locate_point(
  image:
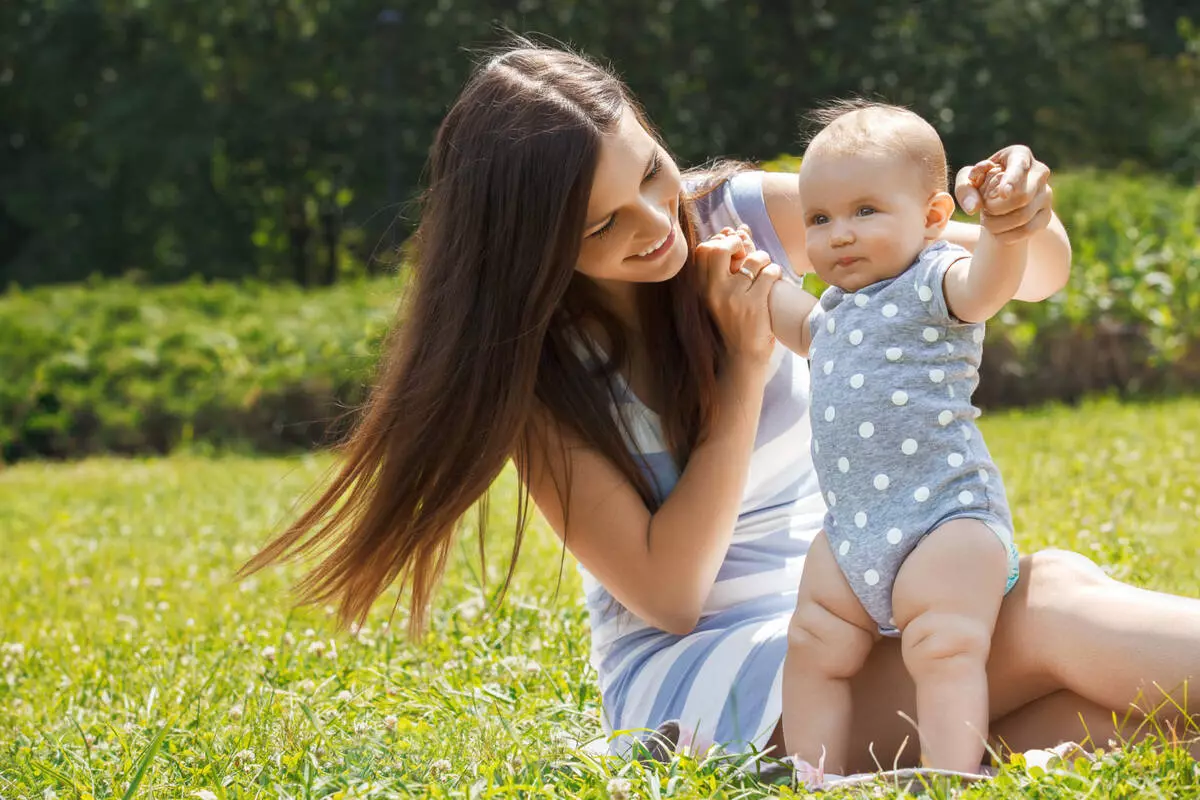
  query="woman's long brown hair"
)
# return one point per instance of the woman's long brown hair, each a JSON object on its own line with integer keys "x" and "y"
{"x": 489, "y": 332}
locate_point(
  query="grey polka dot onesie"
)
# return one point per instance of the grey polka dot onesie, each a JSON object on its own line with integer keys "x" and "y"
{"x": 895, "y": 444}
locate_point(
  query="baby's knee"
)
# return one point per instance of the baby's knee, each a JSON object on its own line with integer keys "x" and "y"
{"x": 935, "y": 642}
{"x": 819, "y": 639}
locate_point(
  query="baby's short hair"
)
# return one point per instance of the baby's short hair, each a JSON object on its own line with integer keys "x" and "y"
{"x": 857, "y": 126}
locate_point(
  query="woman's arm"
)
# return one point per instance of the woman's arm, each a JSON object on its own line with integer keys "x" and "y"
{"x": 660, "y": 566}
{"x": 1049, "y": 263}
{"x": 1018, "y": 206}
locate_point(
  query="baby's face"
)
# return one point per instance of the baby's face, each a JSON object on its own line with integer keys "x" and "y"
{"x": 865, "y": 217}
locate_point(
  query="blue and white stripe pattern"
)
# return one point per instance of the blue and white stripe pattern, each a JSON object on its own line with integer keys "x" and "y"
{"x": 722, "y": 680}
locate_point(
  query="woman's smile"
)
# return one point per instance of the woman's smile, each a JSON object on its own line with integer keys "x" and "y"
{"x": 658, "y": 249}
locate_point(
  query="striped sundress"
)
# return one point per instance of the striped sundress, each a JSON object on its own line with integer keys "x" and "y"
{"x": 722, "y": 681}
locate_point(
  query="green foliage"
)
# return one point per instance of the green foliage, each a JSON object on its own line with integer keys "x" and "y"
{"x": 123, "y": 630}
{"x": 283, "y": 140}
{"x": 117, "y": 367}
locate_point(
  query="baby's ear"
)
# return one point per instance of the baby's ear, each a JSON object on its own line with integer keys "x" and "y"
{"x": 941, "y": 208}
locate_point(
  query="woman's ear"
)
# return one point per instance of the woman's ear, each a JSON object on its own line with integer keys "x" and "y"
{"x": 941, "y": 208}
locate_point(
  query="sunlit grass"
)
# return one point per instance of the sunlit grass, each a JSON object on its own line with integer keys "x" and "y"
{"x": 126, "y": 644}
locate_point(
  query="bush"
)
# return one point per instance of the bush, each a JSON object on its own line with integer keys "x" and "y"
{"x": 119, "y": 367}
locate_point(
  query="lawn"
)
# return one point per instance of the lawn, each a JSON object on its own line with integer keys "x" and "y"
{"x": 131, "y": 664}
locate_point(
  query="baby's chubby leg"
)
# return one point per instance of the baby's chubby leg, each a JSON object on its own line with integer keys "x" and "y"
{"x": 945, "y": 601}
{"x": 829, "y": 637}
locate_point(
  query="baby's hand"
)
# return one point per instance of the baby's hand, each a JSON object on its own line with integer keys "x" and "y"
{"x": 1011, "y": 189}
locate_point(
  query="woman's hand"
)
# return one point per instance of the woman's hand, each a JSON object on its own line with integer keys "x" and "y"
{"x": 1012, "y": 189}
{"x": 737, "y": 284}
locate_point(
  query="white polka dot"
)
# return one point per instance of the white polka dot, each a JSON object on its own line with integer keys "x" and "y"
{"x": 921, "y": 494}
{"x": 866, "y": 430}
{"x": 894, "y": 536}
{"x": 937, "y": 375}
{"x": 983, "y": 476}
{"x": 860, "y": 519}
{"x": 909, "y": 447}
{"x": 856, "y": 381}
{"x": 861, "y": 300}
{"x": 890, "y": 310}
{"x": 830, "y": 413}
{"x": 925, "y": 293}
{"x": 977, "y": 335}
{"x": 971, "y": 370}
{"x": 966, "y": 433}
{"x": 882, "y": 482}
{"x": 827, "y": 367}
{"x": 830, "y": 325}
{"x": 855, "y": 337}
{"x": 951, "y": 391}
{"x": 899, "y": 397}
{"x": 844, "y": 464}
{"x": 832, "y": 498}
{"x": 893, "y": 353}
{"x": 966, "y": 498}
{"x": 944, "y": 418}
{"x": 871, "y": 577}
{"x": 930, "y": 334}
{"x": 949, "y": 347}
{"x": 955, "y": 459}
{"x": 844, "y": 547}
{"x": 816, "y": 445}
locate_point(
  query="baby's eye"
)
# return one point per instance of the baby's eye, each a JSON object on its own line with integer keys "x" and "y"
{"x": 866, "y": 211}
{"x": 818, "y": 219}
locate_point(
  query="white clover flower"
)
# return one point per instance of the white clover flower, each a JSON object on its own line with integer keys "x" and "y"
{"x": 244, "y": 759}
{"x": 316, "y": 648}
{"x": 439, "y": 766}
{"x": 288, "y": 638}
{"x": 619, "y": 788}
{"x": 235, "y": 713}
{"x": 390, "y": 722}
{"x": 268, "y": 653}
{"x": 361, "y": 727}
{"x": 308, "y": 686}
{"x": 204, "y": 794}
{"x": 344, "y": 696}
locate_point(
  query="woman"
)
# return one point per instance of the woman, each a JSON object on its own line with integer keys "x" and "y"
{"x": 564, "y": 315}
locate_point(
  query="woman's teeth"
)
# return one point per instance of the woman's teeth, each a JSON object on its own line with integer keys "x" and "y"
{"x": 655, "y": 246}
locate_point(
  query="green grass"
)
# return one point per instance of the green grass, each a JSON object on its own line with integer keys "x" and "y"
{"x": 130, "y": 663}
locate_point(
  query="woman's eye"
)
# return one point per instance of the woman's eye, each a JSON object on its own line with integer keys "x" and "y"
{"x": 654, "y": 170}
{"x": 600, "y": 232}
{"x": 866, "y": 211}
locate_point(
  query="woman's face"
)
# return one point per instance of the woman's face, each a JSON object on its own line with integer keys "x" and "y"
{"x": 632, "y": 233}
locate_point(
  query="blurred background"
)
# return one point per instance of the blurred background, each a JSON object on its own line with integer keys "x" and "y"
{"x": 202, "y": 205}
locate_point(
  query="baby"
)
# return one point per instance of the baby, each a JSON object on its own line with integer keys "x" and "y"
{"x": 918, "y": 538}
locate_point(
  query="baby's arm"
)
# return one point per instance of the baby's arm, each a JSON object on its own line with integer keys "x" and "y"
{"x": 790, "y": 307}
{"x": 979, "y": 286}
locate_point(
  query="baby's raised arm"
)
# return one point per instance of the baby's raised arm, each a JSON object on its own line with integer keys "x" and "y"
{"x": 977, "y": 287}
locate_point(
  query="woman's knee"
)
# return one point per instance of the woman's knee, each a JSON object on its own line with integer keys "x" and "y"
{"x": 1052, "y": 576}
{"x": 821, "y": 640}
